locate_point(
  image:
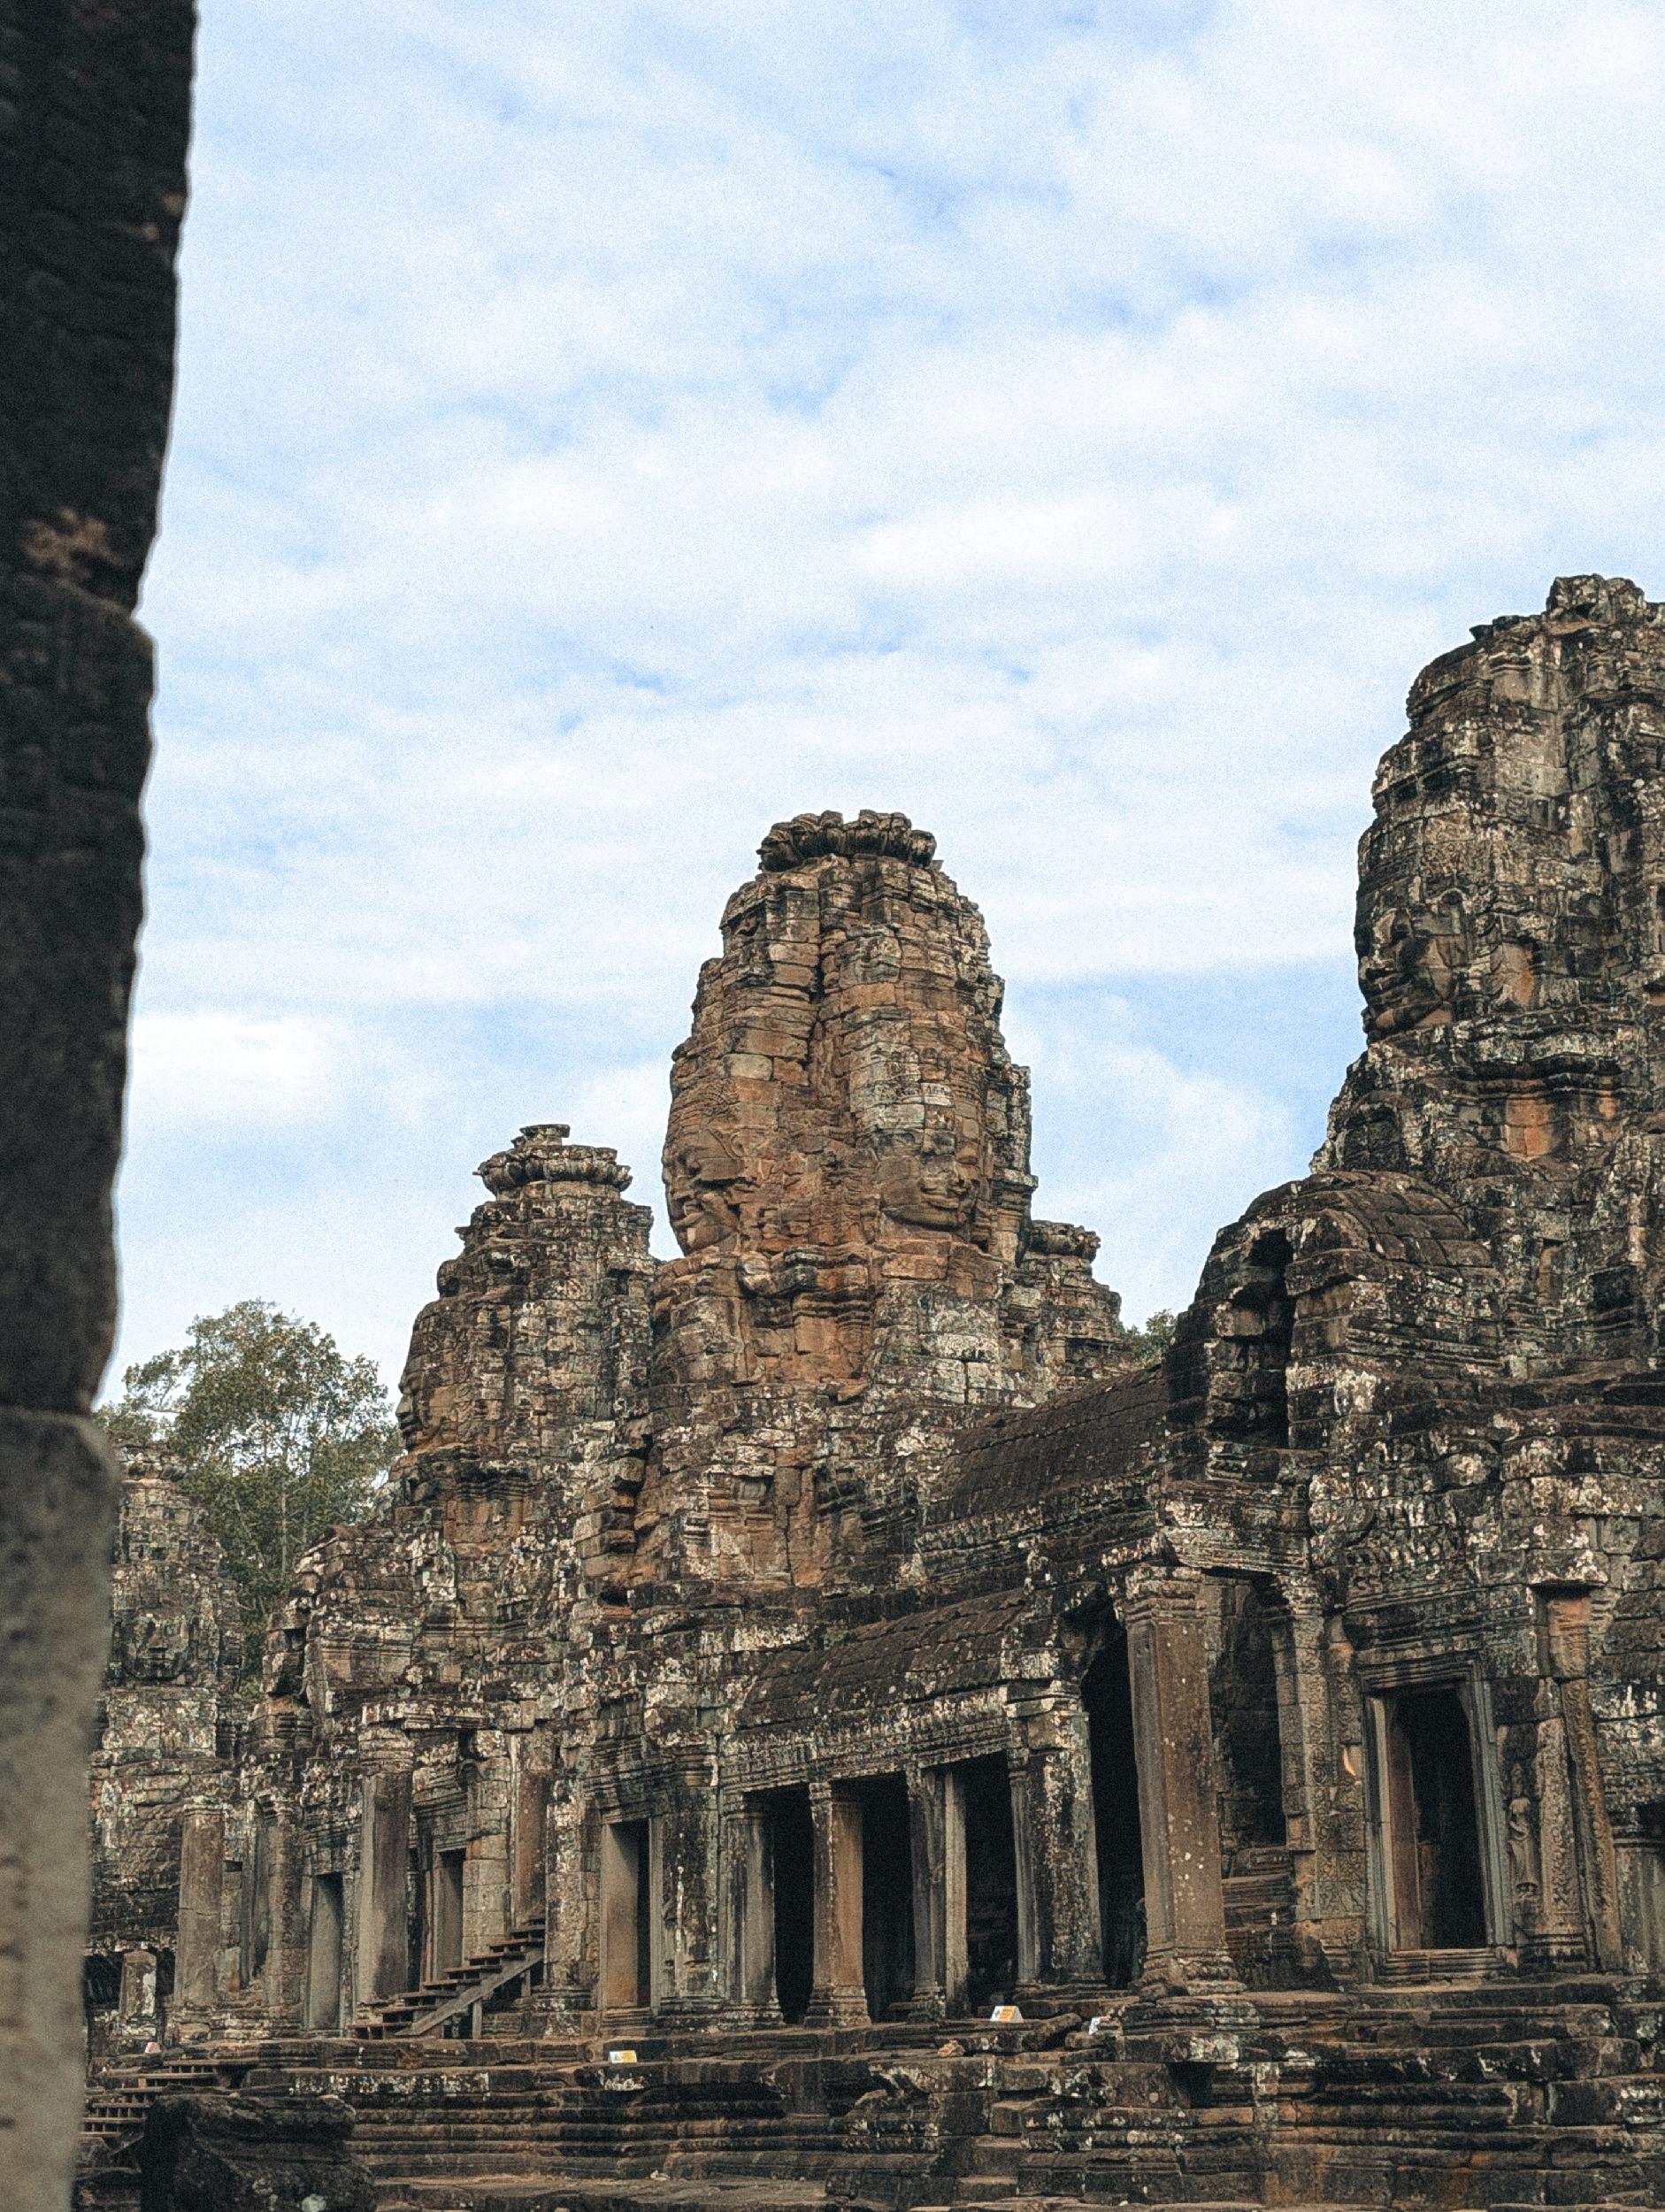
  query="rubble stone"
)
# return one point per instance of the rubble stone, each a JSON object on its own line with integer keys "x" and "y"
{"x": 202, "y": 2153}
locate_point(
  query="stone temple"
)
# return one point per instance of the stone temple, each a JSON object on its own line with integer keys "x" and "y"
{"x": 818, "y": 1720}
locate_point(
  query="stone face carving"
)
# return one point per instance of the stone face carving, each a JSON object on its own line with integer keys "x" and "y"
{"x": 846, "y": 1168}
{"x": 1512, "y": 957}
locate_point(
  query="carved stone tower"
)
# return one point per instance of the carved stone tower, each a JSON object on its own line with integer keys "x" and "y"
{"x": 848, "y": 1173}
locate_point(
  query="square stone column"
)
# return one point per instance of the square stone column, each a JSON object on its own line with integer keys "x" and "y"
{"x": 382, "y": 1906}
{"x": 571, "y": 1991}
{"x": 749, "y": 1902}
{"x": 527, "y": 1846}
{"x": 1321, "y": 1728}
{"x": 838, "y": 1999}
{"x": 1179, "y": 1820}
{"x": 201, "y": 1872}
{"x": 936, "y": 1825}
{"x": 1565, "y": 1635}
{"x": 1055, "y": 1840}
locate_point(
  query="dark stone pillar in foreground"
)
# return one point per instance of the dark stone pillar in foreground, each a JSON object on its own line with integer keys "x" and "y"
{"x": 92, "y": 187}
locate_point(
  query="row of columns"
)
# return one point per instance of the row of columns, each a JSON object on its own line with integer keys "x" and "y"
{"x": 1059, "y": 1940}
{"x": 293, "y": 1925}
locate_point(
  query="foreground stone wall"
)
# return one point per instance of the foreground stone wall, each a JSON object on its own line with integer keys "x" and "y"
{"x": 92, "y": 189}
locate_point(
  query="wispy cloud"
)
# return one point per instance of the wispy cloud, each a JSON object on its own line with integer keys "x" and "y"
{"x": 601, "y": 433}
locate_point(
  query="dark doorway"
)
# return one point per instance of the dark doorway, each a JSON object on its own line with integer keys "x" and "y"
{"x": 1106, "y": 1693}
{"x": 991, "y": 1885}
{"x": 1433, "y": 1829}
{"x": 792, "y": 1850}
{"x": 888, "y": 1957}
{"x": 1243, "y": 1702}
{"x": 445, "y": 1913}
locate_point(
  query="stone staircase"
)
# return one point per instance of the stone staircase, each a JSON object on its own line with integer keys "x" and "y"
{"x": 466, "y": 1991}
{"x": 478, "y": 2117}
{"x": 1503, "y": 2098}
{"x": 1524, "y": 2094}
{"x": 117, "y": 2098}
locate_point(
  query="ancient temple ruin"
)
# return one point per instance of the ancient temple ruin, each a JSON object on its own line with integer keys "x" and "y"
{"x": 955, "y": 1759}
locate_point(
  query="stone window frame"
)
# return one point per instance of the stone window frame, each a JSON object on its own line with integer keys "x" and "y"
{"x": 1381, "y": 1676}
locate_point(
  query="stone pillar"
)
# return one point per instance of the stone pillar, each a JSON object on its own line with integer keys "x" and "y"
{"x": 955, "y": 1956}
{"x": 1322, "y": 1722}
{"x": 530, "y": 1811}
{"x": 927, "y": 1836}
{"x": 1054, "y": 1832}
{"x": 384, "y": 1879}
{"x": 485, "y": 1893}
{"x": 286, "y": 1968}
{"x": 92, "y": 186}
{"x": 748, "y": 1890}
{"x": 1566, "y": 1623}
{"x": 201, "y": 1871}
{"x": 1557, "y": 1935}
{"x": 572, "y": 1918}
{"x": 686, "y": 1886}
{"x": 1179, "y": 1820}
{"x": 1023, "y": 1870}
{"x": 838, "y": 1999}
{"x": 136, "y": 2005}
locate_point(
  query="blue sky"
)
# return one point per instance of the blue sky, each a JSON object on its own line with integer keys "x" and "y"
{"x": 602, "y": 431}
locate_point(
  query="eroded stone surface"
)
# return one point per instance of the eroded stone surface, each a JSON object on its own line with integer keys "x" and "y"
{"x": 92, "y": 188}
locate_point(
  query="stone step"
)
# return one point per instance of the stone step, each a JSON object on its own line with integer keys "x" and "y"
{"x": 583, "y": 2193}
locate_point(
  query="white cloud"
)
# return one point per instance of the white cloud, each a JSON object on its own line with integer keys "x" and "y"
{"x": 1153, "y": 1156}
{"x": 599, "y": 436}
{"x": 210, "y": 1066}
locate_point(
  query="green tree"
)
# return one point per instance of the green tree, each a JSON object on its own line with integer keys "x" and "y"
{"x": 1153, "y": 1339}
{"x": 272, "y": 1428}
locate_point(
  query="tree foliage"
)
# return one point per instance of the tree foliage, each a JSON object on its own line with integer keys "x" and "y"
{"x": 1153, "y": 1339}
{"x": 272, "y": 1428}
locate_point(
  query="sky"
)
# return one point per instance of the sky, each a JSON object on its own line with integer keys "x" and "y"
{"x": 603, "y": 431}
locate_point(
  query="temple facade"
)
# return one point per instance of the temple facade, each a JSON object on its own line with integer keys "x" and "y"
{"x": 839, "y": 1625}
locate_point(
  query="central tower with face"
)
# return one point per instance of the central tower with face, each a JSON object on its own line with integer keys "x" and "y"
{"x": 846, "y": 1169}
